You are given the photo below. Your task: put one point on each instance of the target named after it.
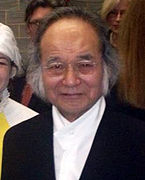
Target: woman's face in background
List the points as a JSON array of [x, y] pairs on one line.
[[115, 15]]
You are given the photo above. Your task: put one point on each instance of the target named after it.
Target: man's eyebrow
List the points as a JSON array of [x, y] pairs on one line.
[[4, 60], [52, 59], [85, 56]]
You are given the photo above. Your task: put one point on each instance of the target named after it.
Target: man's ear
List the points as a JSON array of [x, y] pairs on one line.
[[13, 71]]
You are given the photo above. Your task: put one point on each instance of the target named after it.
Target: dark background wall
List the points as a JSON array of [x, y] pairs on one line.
[[12, 14]]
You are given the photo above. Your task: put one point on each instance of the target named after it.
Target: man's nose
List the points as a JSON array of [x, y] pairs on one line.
[[71, 77]]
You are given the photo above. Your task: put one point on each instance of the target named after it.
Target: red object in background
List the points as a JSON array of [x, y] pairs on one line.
[[66, 2]]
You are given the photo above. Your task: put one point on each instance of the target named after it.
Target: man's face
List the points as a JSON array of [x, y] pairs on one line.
[[37, 15], [4, 73], [70, 42]]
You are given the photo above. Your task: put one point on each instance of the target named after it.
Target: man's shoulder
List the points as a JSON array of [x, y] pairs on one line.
[[123, 123], [120, 116]]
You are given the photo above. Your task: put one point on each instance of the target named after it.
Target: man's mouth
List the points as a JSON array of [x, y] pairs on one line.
[[71, 95]]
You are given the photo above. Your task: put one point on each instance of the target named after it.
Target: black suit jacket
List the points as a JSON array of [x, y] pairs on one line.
[[117, 153]]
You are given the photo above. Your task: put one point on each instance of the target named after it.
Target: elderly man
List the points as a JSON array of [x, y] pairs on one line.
[[80, 138]]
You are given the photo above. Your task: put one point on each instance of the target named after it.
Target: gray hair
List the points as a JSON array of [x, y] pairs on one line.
[[108, 54]]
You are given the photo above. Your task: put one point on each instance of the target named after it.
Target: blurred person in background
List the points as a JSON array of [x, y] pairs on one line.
[[11, 112], [112, 12], [129, 94], [35, 11]]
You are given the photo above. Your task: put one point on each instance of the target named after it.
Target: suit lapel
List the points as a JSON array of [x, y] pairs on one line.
[[111, 155], [48, 152], [95, 161]]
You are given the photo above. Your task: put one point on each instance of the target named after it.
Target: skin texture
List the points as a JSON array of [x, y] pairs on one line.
[[69, 40], [38, 14], [5, 73], [114, 21]]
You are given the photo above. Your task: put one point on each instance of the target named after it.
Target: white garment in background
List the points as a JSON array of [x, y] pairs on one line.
[[14, 111]]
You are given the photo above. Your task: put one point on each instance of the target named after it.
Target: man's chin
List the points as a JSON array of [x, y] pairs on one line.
[[71, 113]]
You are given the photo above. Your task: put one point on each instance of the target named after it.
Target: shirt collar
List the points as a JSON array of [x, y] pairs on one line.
[[93, 115]]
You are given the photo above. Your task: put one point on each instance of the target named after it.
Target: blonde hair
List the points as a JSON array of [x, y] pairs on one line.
[[131, 85], [107, 7]]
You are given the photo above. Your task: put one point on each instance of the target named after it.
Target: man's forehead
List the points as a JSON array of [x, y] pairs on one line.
[[71, 26], [69, 21], [70, 34]]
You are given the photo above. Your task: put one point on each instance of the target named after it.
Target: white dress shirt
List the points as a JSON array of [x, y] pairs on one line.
[[73, 140]]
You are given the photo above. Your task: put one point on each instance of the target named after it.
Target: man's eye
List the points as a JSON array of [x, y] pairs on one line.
[[85, 65], [3, 64], [56, 66]]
